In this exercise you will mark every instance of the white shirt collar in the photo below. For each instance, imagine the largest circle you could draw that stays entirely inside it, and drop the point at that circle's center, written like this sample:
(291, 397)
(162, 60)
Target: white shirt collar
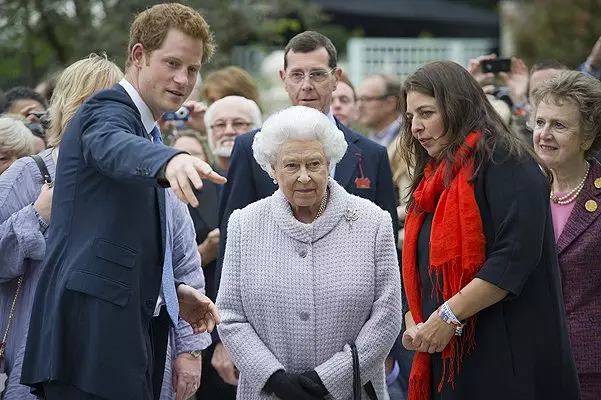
(145, 113)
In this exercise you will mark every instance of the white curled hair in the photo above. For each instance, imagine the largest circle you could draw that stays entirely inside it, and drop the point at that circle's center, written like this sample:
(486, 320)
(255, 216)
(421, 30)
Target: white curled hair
(15, 138)
(297, 123)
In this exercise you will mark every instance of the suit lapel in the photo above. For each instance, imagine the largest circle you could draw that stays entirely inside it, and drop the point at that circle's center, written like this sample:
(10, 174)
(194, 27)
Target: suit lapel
(345, 169)
(580, 218)
(121, 89)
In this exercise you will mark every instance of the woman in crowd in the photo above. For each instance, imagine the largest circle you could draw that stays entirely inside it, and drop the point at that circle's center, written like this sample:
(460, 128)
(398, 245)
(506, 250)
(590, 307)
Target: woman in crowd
(16, 141)
(480, 271)
(229, 81)
(25, 205)
(309, 272)
(567, 136)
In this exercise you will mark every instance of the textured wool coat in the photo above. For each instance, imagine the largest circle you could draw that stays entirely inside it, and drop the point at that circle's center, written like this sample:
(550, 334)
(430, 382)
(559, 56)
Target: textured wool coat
(294, 296)
(579, 251)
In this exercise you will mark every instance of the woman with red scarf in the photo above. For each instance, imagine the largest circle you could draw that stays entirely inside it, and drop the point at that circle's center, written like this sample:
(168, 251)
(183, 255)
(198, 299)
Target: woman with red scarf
(480, 270)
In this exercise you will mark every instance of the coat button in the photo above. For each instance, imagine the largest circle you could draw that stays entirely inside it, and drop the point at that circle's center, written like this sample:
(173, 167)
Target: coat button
(304, 316)
(593, 318)
(150, 304)
(303, 253)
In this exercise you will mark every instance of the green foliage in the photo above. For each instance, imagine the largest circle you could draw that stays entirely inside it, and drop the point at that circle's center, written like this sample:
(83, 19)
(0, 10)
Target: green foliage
(39, 36)
(558, 29)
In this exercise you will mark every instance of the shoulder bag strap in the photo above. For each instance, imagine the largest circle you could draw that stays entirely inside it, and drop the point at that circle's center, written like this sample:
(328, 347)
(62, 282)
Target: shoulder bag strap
(43, 170)
(10, 317)
(369, 387)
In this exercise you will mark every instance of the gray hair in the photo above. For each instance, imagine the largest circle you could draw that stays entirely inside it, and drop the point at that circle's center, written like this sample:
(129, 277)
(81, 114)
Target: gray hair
(584, 92)
(297, 123)
(15, 138)
(248, 106)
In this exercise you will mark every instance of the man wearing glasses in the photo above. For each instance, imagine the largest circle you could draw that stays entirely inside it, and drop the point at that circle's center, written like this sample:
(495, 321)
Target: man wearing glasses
(310, 75)
(225, 119)
(379, 108)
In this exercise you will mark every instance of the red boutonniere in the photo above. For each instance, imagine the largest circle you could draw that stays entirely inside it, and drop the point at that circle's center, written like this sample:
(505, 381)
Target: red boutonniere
(361, 182)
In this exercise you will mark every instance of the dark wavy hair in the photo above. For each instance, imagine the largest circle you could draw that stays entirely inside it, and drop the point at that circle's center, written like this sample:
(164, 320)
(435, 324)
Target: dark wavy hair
(464, 108)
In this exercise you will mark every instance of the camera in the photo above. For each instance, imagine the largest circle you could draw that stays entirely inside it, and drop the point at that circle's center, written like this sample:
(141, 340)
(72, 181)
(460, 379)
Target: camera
(496, 65)
(183, 114)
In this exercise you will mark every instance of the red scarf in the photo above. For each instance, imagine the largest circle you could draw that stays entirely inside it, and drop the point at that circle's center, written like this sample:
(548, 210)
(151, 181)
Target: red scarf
(457, 252)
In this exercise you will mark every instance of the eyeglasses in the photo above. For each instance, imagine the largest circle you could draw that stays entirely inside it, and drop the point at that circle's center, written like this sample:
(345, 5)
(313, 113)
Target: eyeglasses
(238, 126)
(365, 99)
(314, 76)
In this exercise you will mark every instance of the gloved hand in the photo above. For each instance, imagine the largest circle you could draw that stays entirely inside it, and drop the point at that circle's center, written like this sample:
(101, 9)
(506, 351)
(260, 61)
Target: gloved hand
(315, 385)
(288, 386)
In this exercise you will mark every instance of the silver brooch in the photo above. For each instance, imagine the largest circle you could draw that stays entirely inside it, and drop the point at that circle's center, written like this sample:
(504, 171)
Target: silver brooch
(351, 215)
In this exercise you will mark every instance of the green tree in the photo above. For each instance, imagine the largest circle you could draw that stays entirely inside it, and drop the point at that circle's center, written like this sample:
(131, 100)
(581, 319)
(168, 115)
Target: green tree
(39, 36)
(558, 29)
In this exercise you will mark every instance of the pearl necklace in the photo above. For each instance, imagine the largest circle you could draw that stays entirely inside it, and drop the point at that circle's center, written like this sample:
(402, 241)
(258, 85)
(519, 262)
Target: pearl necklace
(572, 194)
(322, 206)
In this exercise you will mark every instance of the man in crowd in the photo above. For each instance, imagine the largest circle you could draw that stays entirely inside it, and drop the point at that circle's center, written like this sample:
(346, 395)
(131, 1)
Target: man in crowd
(225, 119)
(379, 107)
(108, 292)
(30, 105)
(344, 102)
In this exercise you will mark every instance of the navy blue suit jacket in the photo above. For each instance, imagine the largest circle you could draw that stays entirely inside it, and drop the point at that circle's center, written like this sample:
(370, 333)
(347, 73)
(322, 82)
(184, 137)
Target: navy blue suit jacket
(102, 273)
(247, 182)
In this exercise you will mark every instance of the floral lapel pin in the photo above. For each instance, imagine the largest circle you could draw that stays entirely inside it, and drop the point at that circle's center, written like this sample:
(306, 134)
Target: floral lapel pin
(351, 214)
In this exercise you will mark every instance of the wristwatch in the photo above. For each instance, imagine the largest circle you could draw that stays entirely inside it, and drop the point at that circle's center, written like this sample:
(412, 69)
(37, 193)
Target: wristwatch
(195, 353)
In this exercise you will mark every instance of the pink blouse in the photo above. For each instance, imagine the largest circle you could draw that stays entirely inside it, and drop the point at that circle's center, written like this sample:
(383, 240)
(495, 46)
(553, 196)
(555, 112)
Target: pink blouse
(560, 214)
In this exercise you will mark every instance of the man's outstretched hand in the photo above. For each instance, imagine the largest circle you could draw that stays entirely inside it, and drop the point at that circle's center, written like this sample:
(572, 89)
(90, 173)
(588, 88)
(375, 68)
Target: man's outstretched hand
(184, 171)
(197, 309)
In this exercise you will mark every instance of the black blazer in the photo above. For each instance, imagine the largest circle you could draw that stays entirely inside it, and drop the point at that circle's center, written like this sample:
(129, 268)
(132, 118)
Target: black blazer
(206, 218)
(522, 348)
(247, 182)
(103, 266)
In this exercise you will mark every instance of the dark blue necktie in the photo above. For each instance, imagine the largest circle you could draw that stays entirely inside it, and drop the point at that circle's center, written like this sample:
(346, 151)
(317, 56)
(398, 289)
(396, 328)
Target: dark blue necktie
(168, 281)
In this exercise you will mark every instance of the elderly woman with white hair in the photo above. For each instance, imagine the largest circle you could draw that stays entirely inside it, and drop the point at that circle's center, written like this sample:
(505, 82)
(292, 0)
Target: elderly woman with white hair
(16, 141)
(310, 290)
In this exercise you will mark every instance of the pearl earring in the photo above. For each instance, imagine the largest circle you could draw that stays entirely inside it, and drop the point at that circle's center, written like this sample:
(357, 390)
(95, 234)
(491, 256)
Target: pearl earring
(275, 182)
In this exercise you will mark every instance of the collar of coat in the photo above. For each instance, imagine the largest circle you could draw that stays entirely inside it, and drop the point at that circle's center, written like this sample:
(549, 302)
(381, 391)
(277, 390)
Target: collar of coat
(338, 210)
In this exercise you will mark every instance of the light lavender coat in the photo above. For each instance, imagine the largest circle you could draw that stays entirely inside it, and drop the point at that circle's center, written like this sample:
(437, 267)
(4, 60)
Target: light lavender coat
(294, 296)
(22, 250)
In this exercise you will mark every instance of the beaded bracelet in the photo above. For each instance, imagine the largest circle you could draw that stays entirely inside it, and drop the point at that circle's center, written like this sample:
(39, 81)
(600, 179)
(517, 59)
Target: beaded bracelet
(447, 316)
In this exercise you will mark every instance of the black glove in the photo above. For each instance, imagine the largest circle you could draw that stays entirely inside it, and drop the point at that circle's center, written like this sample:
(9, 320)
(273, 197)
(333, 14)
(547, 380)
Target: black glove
(287, 386)
(315, 385)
